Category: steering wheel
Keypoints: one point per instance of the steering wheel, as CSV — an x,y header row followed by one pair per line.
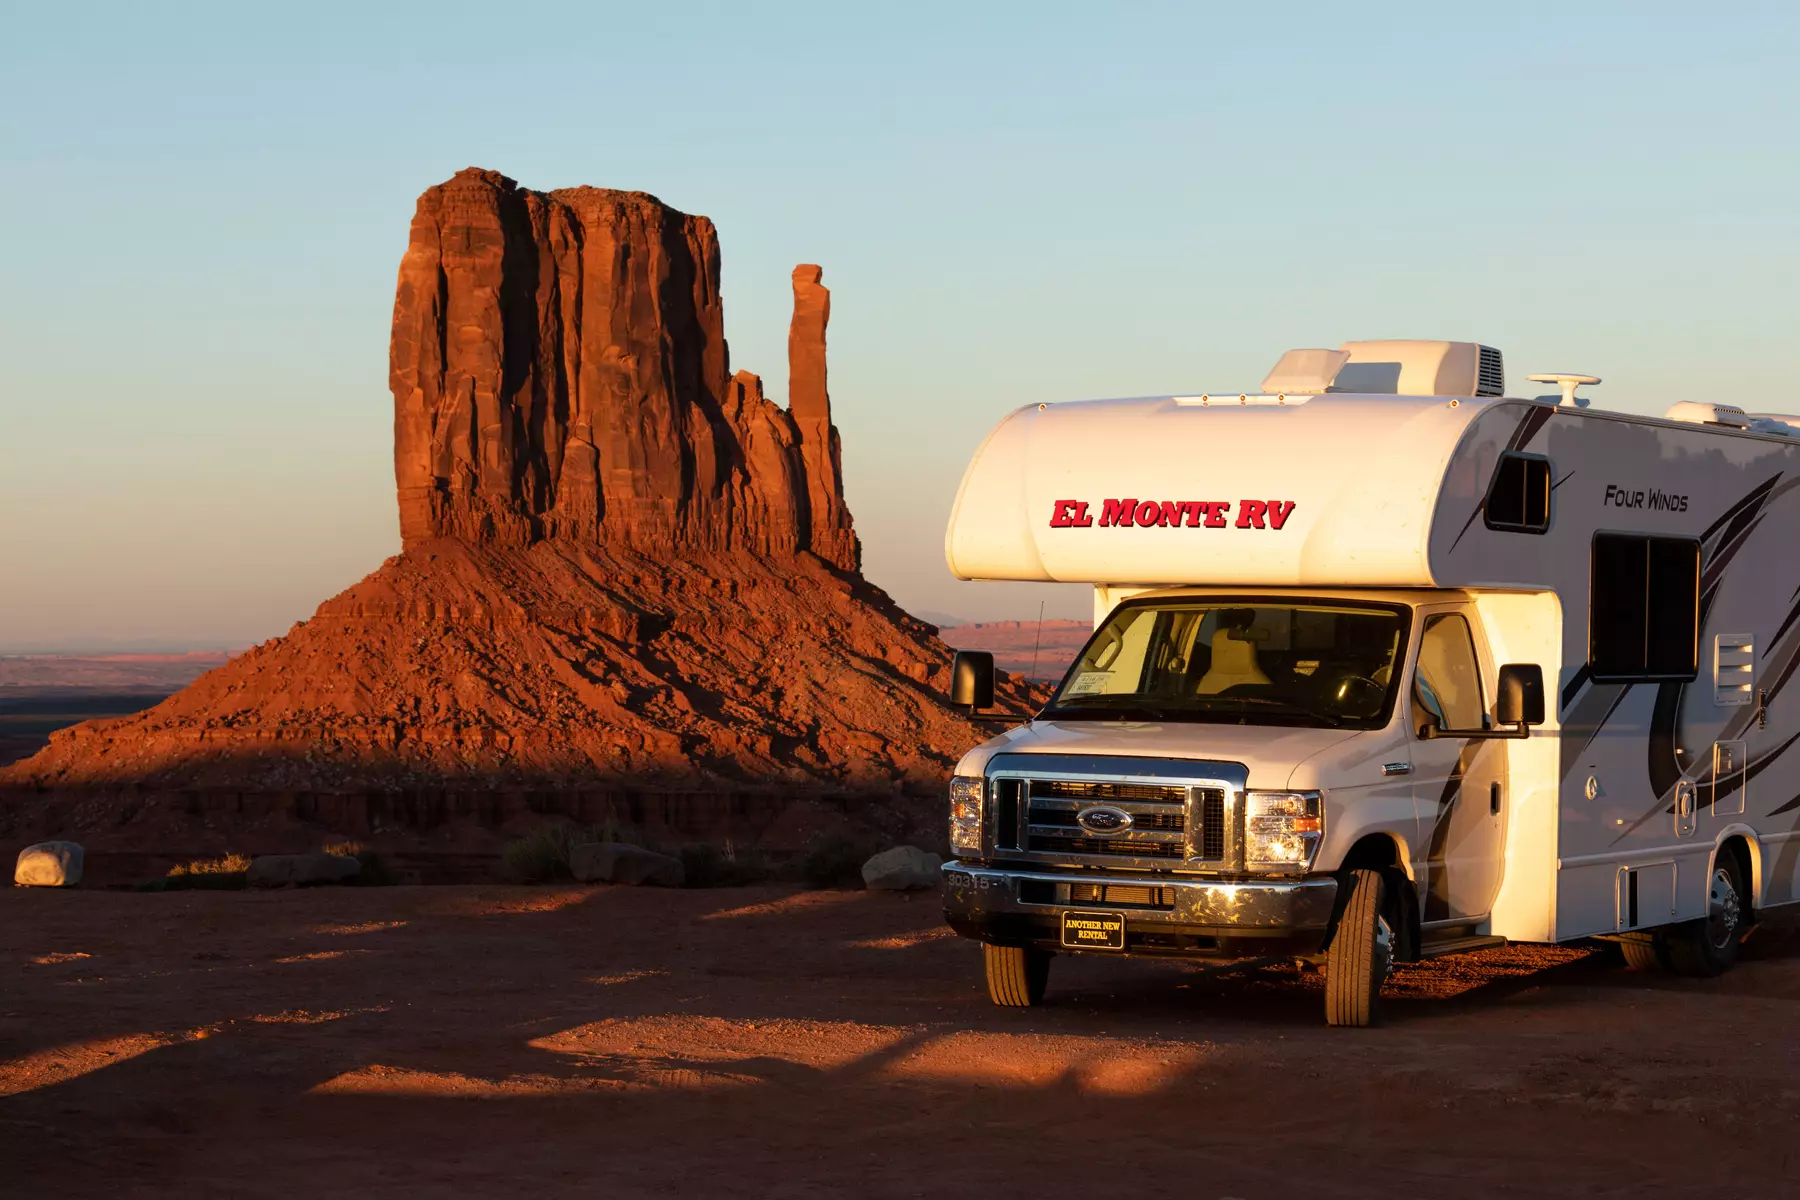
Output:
x,y
1358,683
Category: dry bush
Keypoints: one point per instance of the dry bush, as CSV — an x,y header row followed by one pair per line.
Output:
x,y
227,872
542,855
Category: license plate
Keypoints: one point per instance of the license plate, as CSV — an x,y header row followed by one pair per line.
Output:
x,y
1093,931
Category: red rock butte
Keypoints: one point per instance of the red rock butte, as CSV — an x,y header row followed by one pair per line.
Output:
x,y
624,568
559,370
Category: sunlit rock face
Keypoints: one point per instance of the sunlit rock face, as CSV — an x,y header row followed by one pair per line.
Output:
x,y
559,371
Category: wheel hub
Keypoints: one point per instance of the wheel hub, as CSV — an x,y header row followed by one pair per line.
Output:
x,y
1724,910
1384,946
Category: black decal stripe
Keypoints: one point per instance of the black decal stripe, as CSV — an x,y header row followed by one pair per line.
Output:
x,y
1576,682
1562,481
1752,769
1437,897
1786,621
1665,802
1786,673
1756,494
1468,524
1535,419
1572,755
1660,763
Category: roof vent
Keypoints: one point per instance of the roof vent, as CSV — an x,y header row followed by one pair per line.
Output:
x,y
1304,372
1698,413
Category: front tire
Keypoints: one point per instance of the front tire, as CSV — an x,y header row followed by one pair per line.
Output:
x,y
1361,951
1709,946
1016,975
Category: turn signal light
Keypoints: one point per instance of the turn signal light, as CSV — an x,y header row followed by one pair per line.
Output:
x,y
1282,830
965,813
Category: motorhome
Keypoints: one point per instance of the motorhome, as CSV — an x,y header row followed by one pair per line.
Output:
x,y
1386,664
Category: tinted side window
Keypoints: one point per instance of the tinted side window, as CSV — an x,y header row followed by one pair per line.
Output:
x,y
1447,684
1644,618
1518,499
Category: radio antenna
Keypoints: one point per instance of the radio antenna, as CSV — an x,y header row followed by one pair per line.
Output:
x,y
1039,642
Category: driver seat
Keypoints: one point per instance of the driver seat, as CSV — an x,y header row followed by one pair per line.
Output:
x,y
1233,663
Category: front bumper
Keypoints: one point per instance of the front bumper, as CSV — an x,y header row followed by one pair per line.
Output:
x,y
1023,906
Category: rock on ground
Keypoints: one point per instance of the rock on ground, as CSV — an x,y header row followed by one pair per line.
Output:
x,y
278,870
904,868
49,864
620,862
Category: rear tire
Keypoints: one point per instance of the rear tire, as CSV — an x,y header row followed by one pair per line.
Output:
x,y
1016,975
1709,946
1361,951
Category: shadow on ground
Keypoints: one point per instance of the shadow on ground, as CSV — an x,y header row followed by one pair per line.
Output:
x,y
497,1041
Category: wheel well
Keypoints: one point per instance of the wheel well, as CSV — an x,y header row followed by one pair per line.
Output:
x,y
1739,848
1380,852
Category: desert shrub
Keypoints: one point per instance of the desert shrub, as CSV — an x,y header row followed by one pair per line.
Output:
x,y
227,872
375,869
542,854
834,860
707,865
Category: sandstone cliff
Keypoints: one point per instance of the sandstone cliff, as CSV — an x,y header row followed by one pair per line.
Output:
x,y
625,570
559,370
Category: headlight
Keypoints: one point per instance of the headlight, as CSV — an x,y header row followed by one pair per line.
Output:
x,y
1282,830
965,813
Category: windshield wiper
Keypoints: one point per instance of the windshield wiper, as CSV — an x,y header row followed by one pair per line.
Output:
x,y
1098,705
1331,719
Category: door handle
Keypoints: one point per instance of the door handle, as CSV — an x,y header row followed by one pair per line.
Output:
x,y
1493,799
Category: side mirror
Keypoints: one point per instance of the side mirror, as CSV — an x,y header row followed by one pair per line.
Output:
x,y
1521,695
972,680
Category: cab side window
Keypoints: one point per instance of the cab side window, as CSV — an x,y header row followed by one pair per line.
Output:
x,y
1447,684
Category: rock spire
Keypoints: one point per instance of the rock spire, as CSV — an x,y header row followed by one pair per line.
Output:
x,y
559,371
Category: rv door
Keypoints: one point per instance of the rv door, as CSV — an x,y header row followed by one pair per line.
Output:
x,y
1459,784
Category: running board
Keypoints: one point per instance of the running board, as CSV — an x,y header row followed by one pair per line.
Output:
x,y
1461,945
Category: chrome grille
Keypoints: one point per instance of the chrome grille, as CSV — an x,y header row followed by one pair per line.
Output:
x,y
1076,789
1169,822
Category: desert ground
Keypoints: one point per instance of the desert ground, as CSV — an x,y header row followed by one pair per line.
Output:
x,y
496,1040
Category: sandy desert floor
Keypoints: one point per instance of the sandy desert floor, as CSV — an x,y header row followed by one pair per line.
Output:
x,y
458,1041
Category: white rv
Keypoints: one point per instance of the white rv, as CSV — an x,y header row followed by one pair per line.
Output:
x,y
1386,664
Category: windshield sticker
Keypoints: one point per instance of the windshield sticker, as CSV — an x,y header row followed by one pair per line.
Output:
x,y
1088,683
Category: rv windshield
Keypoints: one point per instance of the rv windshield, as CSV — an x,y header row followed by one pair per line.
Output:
x,y
1322,663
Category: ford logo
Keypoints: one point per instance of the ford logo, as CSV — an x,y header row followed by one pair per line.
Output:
x,y
1103,818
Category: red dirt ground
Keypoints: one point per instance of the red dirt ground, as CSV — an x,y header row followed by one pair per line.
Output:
x,y
754,1042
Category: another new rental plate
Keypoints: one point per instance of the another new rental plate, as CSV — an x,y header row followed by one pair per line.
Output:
x,y
1093,931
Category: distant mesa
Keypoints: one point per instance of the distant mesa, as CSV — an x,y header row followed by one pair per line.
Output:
x,y
1031,649
625,570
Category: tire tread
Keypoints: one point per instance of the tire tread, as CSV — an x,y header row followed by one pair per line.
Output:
x,y
1352,976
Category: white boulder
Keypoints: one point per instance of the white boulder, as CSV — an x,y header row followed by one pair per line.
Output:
x,y
49,864
621,862
902,869
279,870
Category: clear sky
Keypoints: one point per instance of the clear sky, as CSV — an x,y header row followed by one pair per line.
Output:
x,y
203,207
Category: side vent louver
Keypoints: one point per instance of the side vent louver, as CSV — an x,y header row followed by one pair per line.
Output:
x,y
1491,378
